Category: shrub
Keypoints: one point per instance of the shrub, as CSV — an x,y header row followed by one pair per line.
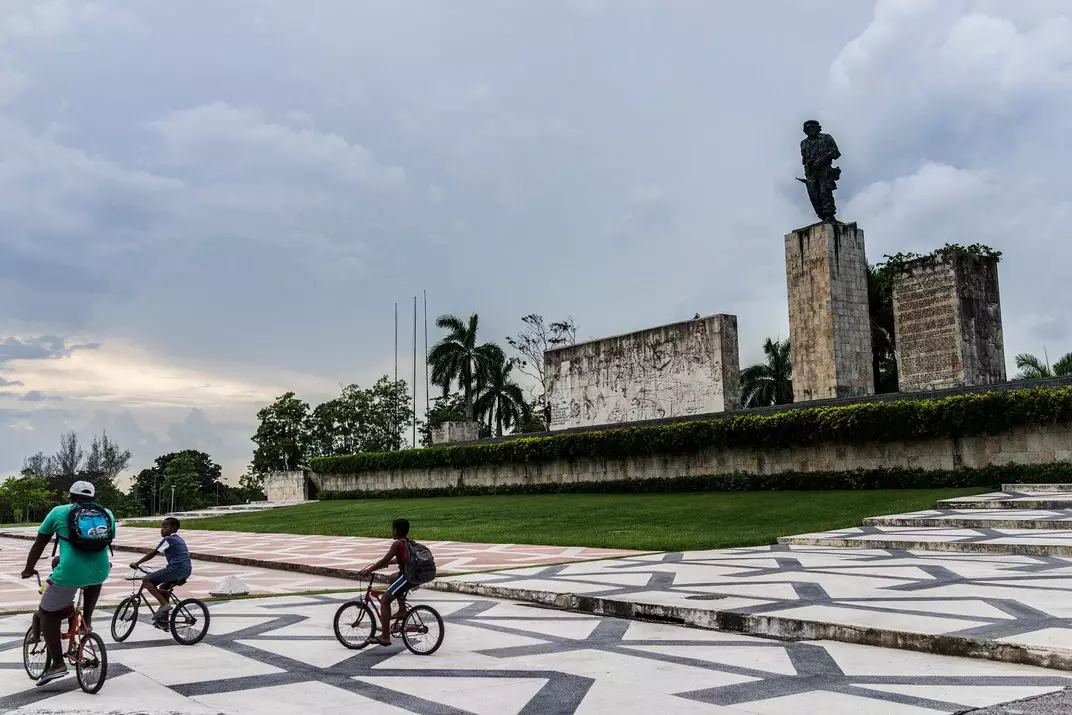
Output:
x,y
950,417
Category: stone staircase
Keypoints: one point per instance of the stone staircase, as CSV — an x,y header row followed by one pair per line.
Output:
x,y
1022,519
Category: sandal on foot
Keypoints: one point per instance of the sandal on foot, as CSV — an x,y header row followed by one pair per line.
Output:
x,y
47,678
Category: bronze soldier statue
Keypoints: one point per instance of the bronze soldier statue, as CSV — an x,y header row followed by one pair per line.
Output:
x,y
818,151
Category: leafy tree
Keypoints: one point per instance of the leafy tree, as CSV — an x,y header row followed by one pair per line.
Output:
x,y
250,488
1032,368
532,341
361,420
501,398
533,418
146,487
25,499
281,436
883,340
181,481
101,466
458,359
770,382
445,408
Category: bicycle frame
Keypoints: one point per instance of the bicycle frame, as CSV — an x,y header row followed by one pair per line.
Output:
x,y
76,626
139,593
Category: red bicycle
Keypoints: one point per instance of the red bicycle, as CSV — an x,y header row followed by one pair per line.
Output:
x,y
85,650
421,626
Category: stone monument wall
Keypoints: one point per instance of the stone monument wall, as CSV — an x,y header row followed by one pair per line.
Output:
x,y
947,322
829,321
675,370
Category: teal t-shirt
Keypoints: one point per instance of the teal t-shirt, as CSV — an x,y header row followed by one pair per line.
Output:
x,y
76,568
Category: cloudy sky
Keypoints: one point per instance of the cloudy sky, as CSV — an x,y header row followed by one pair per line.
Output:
x,y
205,204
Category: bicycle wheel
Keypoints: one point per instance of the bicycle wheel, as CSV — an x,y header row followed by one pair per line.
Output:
x,y
34,655
189,621
422,630
124,618
92,664
355,623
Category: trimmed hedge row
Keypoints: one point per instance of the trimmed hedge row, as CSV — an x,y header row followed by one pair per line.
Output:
x,y
987,477
956,416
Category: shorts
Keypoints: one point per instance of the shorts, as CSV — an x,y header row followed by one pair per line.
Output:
x,y
58,598
170,574
399,587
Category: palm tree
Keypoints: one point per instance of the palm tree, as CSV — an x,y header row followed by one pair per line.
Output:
x,y
769,383
501,397
1031,368
457,358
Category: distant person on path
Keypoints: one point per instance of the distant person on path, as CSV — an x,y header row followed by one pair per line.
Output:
x,y
179,567
85,531
402,583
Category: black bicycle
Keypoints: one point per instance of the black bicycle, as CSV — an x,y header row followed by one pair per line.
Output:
x,y
188,621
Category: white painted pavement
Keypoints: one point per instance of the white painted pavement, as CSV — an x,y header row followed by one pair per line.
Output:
x,y
279,656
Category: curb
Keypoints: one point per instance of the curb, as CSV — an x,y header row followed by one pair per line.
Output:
x,y
1024,504
1057,488
955,547
776,627
969,523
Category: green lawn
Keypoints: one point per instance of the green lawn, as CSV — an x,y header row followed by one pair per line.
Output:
x,y
658,522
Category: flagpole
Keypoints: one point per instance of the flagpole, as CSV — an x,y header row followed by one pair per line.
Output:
x,y
427,384
395,415
414,386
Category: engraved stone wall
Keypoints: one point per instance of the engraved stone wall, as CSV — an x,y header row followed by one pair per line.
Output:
x,y
672,371
947,321
829,322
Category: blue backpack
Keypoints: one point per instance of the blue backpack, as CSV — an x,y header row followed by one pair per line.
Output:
x,y
90,526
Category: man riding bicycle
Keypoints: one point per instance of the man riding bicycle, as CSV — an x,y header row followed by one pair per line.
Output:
x,y
85,531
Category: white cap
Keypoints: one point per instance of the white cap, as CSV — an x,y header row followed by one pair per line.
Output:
x,y
82,489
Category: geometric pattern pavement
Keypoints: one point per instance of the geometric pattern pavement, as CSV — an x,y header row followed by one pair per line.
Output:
x,y
353,552
1023,600
279,655
17,594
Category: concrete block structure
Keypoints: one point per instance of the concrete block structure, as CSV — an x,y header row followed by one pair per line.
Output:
x,y
947,322
454,432
829,322
687,368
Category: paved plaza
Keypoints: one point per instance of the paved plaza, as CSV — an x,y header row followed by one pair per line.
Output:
x,y
17,594
279,655
347,554
788,628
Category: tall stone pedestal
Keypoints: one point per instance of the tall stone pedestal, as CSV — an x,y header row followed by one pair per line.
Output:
x,y
829,323
947,321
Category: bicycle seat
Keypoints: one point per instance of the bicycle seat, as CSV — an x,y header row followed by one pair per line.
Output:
x,y
172,584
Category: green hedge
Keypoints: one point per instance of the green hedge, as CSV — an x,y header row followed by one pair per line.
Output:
x,y
957,416
986,477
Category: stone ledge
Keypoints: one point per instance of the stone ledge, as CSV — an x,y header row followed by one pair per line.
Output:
x,y
956,547
967,522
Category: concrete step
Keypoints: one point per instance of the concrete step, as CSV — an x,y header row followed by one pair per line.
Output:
x,y
978,519
1002,500
1021,542
1035,488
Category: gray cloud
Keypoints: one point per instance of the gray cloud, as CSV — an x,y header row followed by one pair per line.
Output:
x,y
40,348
